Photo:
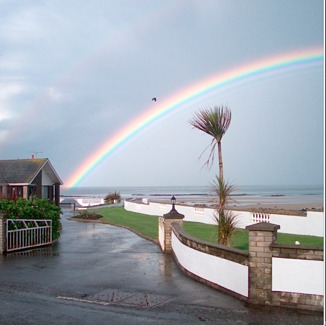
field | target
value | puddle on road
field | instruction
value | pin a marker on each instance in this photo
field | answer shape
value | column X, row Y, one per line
column 117, row 297
column 46, row 251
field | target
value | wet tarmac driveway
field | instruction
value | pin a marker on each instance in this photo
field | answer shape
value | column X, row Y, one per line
column 101, row 274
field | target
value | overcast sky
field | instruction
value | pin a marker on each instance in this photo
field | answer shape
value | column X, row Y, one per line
column 74, row 72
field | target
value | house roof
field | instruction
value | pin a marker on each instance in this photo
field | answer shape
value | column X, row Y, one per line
column 24, row 171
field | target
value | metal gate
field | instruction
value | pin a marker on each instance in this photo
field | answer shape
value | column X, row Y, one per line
column 23, row 234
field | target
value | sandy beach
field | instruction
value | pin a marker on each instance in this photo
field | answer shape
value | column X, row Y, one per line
column 277, row 205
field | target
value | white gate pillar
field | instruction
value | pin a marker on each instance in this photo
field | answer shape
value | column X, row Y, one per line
column 165, row 228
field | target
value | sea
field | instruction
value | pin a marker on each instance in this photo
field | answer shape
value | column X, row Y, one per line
column 247, row 194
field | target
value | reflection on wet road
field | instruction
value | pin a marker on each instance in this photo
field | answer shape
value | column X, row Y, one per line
column 101, row 274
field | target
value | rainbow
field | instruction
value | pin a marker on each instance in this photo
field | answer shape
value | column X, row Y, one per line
column 221, row 80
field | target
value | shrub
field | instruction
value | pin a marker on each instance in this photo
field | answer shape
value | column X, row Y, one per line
column 38, row 209
column 87, row 215
column 112, row 197
column 226, row 221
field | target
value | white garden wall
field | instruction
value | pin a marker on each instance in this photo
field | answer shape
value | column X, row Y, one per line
column 312, row 224
column 223, row 272
column 298, row 276
column 269, row 274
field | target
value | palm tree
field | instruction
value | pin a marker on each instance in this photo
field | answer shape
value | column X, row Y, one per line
column 223, row 191
column 214, row 122
column 226, row 219
column 226, row 227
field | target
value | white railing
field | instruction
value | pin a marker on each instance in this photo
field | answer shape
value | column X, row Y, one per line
column 25, row 233
column 260, row 217
column 199, row 211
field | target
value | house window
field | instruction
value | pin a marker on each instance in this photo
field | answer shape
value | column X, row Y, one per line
column 20, row 192
column 45, row 192
column 16, row 192
column 31, row 192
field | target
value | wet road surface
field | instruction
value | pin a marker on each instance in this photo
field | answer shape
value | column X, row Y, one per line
column 101, row 274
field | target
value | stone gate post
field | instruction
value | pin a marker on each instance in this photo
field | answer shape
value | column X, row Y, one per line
column 261, row 236
column 2, row 233
column 165, row 228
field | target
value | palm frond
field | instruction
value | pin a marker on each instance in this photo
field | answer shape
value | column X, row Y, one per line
column 226, row 226
column 214, row 122
column 223, row 191
column 209, row 162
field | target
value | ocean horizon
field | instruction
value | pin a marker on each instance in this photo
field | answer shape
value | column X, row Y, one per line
column 314, row 192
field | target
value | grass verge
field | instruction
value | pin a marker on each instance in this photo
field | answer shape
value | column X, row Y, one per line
column 147, row 226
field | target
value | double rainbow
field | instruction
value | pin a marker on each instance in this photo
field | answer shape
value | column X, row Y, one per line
column 273, row 65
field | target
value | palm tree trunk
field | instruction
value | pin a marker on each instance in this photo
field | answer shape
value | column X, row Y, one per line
column 220, row 161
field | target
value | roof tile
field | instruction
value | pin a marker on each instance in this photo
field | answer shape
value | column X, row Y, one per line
column 20, row 171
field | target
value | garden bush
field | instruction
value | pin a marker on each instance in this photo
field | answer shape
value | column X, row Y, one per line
column 38, row 209
column 112, row 198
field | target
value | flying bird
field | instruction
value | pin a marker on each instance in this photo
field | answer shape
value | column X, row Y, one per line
column 154, row 99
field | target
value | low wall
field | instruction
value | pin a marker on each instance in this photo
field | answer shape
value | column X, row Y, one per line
column 298, row 276
column 312, row 224
column 218, row 266
column 269, row 274
column 192, row 214
column 83, row 201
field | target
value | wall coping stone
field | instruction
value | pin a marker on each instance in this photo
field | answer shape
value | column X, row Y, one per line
column 263, row 226
column 300, row 247
column 180, row 233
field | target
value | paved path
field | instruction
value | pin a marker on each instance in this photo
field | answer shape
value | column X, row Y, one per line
column 101, row 274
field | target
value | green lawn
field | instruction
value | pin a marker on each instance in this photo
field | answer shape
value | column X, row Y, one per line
column 147, row 226
column 240, row 239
